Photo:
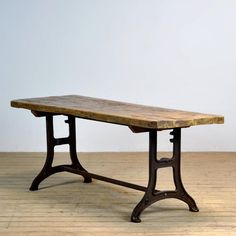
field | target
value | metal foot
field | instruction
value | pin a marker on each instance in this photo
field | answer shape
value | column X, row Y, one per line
column 194, row 209
column 35, row 184
column 87, row 180
column 135, row 219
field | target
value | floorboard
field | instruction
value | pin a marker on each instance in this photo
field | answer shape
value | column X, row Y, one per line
column 65, row 206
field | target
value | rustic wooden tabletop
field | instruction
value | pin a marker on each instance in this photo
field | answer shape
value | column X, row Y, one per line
column 117, row 112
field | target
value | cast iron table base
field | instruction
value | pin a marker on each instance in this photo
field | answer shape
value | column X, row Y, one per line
column 151, row 194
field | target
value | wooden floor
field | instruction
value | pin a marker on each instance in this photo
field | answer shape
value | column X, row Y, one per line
column 66, row 206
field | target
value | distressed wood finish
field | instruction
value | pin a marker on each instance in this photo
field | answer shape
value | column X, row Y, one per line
column 132, row 115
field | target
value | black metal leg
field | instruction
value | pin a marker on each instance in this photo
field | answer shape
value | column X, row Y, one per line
column 145, row 202
column 47, row 169
column 183, row 195
column 151, row 195
column 73, row 155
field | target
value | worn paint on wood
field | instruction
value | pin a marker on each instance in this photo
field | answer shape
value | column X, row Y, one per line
column 129, row 114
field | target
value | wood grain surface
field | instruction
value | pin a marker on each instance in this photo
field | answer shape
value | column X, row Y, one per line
column 117, row 112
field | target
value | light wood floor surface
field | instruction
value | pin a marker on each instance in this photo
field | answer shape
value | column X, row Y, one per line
column 65, row 206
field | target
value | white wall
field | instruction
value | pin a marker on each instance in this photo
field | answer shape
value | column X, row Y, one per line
column 175, row 53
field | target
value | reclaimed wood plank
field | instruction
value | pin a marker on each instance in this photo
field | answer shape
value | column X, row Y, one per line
column 129, row 114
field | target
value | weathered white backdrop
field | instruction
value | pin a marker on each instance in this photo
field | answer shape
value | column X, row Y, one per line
column 176, row 53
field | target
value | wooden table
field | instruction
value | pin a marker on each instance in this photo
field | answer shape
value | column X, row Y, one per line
column 138, row 118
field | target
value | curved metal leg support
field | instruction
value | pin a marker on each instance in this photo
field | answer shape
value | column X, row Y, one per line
column 183, row 195
column 47, row 169
column 151, row 195
column 44, row 174
column 146, row 200
column 73, row 155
